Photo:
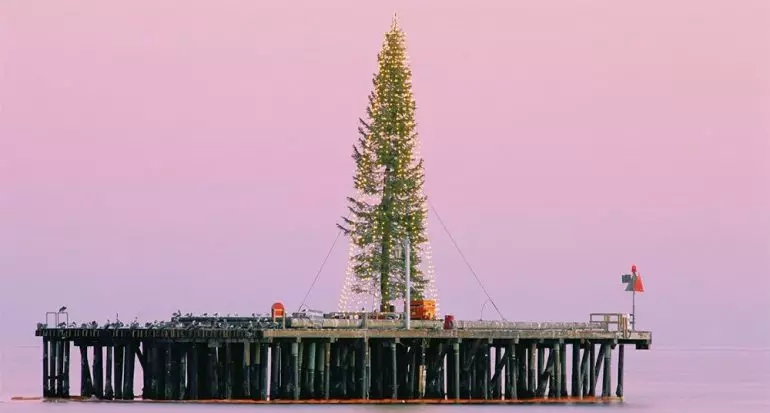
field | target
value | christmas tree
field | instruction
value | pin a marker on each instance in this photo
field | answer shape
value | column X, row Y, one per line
column 390, row 205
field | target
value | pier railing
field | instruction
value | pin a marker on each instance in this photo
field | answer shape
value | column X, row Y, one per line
column 620, row 322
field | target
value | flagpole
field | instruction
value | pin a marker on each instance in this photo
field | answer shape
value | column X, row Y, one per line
column 633, row 311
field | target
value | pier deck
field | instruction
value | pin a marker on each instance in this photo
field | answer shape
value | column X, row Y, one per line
column 305, row 360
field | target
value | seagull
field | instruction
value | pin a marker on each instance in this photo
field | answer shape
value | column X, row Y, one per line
column 63, row 309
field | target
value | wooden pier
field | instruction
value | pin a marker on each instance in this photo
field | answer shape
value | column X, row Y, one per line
column 255, row 359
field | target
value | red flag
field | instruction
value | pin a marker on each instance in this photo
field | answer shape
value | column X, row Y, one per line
column 638, row 286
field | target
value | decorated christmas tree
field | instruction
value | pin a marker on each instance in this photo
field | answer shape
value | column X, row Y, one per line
column 389, row 205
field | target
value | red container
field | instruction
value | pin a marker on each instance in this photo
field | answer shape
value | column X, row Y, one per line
column 449, row 322
column 277, row 310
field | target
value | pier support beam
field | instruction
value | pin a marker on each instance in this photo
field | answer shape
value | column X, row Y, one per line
column 558, row 358
column 65, row 369
column 128, row 372
column 607, row 384
column 584, row 381
column 532, row 380
column 540, row 362
column 593, row 369
column 542, row 382
column 264, row 381
column 98, row 368
column 192, row 372
column 575, row 391
column 86, row 385
column 59, row 368
column 456, row 370
column 118, row 373
column 364, row 369
column 294, row 386
column 512, row 369
column 275, row 377
column 327, row 374
column 309, row 385
column 168, row 372
column 46, row 364
column 619, row 390
column 563, row 372
column 108, row 392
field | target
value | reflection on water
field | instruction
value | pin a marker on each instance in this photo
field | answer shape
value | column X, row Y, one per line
column 659, row 380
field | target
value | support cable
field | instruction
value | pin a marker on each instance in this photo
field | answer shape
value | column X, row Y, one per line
column 478, row 280
column 323, row 263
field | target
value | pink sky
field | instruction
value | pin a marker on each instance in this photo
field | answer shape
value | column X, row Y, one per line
column 170, row 155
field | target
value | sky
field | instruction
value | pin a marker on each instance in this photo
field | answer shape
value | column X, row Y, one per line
column 165, row 155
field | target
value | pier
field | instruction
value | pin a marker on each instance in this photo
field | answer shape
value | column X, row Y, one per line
column 343, row 358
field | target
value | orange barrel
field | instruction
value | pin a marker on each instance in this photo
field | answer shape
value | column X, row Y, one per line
column 449, row 322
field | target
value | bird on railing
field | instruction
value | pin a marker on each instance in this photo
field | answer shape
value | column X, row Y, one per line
column 63, row 309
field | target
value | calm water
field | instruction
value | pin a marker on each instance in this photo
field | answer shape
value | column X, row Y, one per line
column 659, row 380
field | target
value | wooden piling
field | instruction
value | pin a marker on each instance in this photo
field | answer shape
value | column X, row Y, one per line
column 563, row 363
column 46, row 364
column 498, row 378
column 540, row 361
column 320, row 368
column 295, row 370
column 118, row 371
column 575, row 370
column 252, row 370
column 607, row 382
column 302, row 367
column 558, row 367
column 202, row 379
column 619, row 390
column 98, row 369
column 275, row 364
column 542, row 382
column 168, row 372
column 352, row 371
column 65, row 369
column 592, row 369
column 58, row 367
column 182, row 371
column 128, row 370
column 193, row 363
column 522, row 369
column 532, row 380
column 514, row 371
column 344, row 368
column 264, row 383
column 156, row 371
column 108, row 392
column 584, row 381
column 86, row 385
column 213, row 367
column 286, row 371
column 485, row 360
column 327, row 375
column 309, row 384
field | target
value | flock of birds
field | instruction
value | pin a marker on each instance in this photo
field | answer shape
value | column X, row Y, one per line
column 178, row 321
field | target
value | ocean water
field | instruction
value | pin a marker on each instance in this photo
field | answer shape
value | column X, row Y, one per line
column 658, row 380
